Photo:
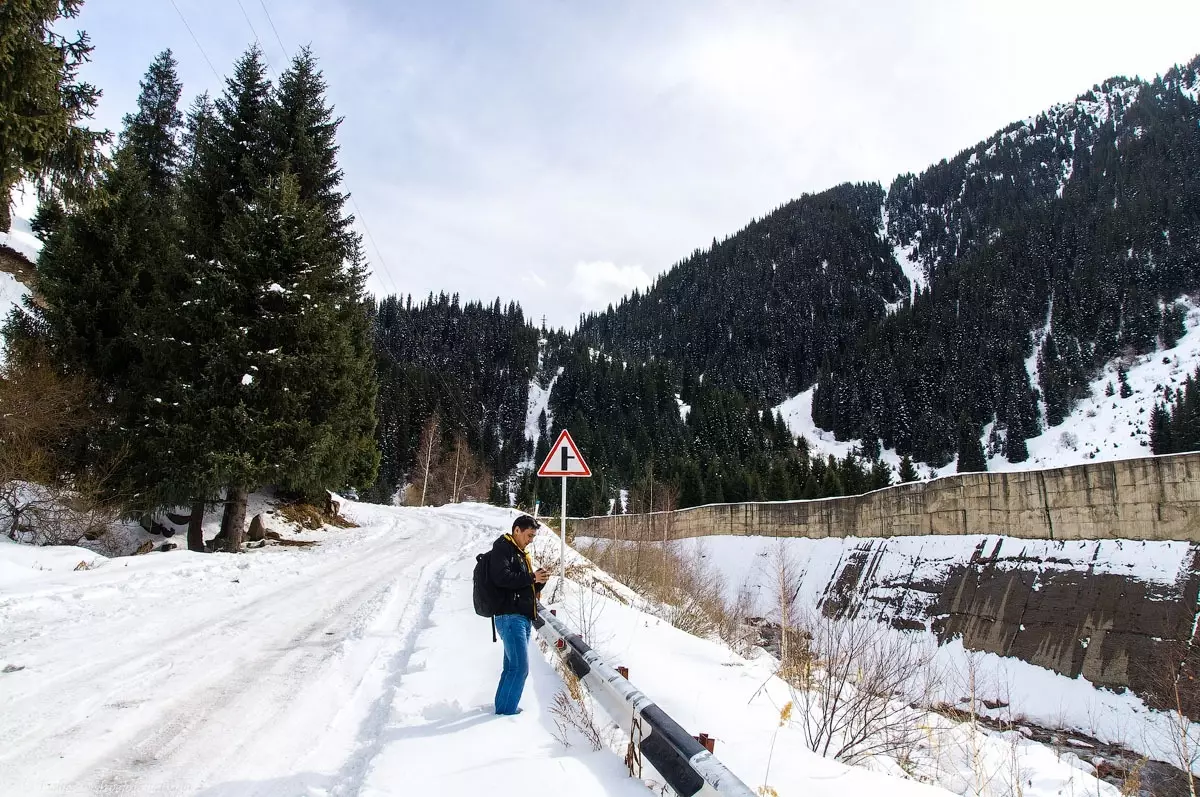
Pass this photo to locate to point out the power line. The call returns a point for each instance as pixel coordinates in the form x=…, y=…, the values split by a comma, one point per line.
x=378, y=252
x=257, y=40
x=248, y=22
x=273, y=28
x=197, y=41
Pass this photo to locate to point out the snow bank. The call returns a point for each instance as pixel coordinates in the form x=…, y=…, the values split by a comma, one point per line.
x=24, y=562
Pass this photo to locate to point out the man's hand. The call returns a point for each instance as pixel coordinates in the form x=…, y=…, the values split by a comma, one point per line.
x=541, y=576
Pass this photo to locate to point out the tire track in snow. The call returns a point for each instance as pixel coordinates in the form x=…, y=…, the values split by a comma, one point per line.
x=119, y=674
x=349, y=780
x=227, y=676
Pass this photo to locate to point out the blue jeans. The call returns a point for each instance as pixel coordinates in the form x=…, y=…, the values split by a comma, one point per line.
x=514, y=630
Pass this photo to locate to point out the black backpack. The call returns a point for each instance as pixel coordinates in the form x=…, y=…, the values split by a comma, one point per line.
x=488, y=597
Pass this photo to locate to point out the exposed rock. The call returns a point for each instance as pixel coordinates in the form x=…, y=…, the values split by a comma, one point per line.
x=145, y=547
x=152, y=526
x=217, y=543
x=166, y=546
x=272, y=535
x=257, y=529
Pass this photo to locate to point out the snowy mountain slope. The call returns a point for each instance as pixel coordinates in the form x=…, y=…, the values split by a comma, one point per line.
x=539, y=403
x=929, y=216
x=1099, y=428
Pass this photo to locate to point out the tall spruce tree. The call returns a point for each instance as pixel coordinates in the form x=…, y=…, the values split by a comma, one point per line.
x=108, y=274
x=342, y=389
x=229, y=162
x=305, y=132
x=276, y=312
x=42, y=101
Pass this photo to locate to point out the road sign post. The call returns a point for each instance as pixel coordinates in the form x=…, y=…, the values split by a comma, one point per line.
x=564, y=460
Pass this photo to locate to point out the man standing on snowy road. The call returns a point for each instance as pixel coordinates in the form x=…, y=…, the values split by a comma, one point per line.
x=512, y=572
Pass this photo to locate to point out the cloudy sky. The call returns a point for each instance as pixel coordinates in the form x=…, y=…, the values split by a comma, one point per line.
x=561, y=154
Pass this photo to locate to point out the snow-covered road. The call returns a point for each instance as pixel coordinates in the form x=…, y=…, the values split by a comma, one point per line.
x=166, y=674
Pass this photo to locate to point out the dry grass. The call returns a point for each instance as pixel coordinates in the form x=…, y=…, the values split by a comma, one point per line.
x=689, y=592
x=309, y=516
x=572, y=711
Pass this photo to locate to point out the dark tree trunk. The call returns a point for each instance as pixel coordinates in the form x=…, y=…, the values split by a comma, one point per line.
x=196, y=528
x=233, y=521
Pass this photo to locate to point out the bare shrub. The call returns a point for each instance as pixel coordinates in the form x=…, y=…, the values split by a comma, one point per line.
x=794, y=652
x=52, y=515
x=1131, y=784
x=584, y=613
x=733, y=623
x=692, y=591
x=854, y=687
x=689, y=593
x=41, y=501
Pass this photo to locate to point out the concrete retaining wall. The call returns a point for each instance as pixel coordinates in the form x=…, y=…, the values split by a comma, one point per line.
x=1154, y=498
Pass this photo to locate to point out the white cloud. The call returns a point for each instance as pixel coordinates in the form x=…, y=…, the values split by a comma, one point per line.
x=490, y=142
x=602, y=282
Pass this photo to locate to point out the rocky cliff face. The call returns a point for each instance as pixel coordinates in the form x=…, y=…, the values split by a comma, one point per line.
x=1110, y=611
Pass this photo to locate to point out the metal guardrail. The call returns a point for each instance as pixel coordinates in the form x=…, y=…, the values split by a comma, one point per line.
x=675, y=754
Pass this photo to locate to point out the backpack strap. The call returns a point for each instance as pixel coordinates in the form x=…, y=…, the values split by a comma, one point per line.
x=493, y=628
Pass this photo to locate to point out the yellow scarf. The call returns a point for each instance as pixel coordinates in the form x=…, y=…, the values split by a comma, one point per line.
x=528, y=568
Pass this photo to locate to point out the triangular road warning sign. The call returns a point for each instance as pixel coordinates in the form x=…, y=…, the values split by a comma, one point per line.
x=564, y=459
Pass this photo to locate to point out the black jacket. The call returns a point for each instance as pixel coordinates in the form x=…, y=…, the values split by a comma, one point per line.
x=509, y=571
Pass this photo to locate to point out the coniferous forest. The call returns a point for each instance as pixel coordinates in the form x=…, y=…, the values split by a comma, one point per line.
x=201, y=288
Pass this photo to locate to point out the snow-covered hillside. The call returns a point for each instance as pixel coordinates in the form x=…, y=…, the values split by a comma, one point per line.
x=1101, y=427
x=21, y=239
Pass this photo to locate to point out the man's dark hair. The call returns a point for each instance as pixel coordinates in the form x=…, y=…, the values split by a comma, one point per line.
x=525, y=522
